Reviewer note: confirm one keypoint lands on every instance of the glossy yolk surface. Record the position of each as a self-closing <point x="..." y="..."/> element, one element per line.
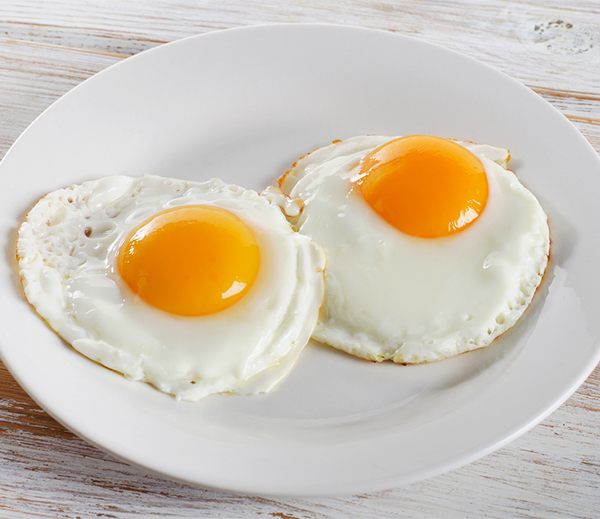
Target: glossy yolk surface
<point x="190" y="260"/>
<point x="424" y="186"/>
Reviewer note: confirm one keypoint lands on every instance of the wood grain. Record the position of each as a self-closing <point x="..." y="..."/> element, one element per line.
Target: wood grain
<point x="48" y="48"/>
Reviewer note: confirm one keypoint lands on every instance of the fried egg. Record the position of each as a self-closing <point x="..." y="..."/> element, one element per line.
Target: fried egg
<point x="433" y="247"/>
<point x="195" y="288"/>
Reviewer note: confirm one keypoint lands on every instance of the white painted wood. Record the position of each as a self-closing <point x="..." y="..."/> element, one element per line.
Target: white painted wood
<point x="46" y="49"/>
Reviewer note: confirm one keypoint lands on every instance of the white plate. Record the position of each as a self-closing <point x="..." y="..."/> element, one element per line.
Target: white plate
<point x="242" y="105"/>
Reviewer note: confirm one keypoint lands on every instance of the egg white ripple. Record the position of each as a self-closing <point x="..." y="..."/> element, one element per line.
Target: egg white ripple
<point x="389" y="295"/>
<point x="72" y="281"/>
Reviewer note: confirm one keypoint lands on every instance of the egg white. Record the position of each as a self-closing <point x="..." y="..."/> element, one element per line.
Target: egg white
<point x="389" y="295"/>
<point x="67" y="251"/>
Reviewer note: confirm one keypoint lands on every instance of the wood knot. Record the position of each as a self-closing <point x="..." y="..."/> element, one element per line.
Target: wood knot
<point x="559" y="36"/>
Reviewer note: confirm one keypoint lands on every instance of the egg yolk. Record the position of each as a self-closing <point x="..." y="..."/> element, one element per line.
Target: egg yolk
<point x="424" y="186"/>
<point x="190" y="260"/>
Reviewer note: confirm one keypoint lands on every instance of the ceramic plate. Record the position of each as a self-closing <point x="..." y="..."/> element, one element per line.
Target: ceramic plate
<point x="243" y="105"/>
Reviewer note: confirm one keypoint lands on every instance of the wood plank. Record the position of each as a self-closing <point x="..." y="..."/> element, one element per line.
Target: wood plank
<point x="526" y="43"/>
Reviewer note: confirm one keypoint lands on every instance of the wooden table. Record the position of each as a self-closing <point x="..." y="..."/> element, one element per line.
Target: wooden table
<point x="48" y="48"/>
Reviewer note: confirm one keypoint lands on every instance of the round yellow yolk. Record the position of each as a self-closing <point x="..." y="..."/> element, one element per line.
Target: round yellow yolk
<point x="424" y="186"/>
<point x="190" y="260"/>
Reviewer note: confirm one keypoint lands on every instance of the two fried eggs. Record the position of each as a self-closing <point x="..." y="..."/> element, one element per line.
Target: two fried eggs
<point x="433" y="248"/>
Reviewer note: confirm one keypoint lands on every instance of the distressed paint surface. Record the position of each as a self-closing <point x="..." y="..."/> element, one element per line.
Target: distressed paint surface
<point x="46" y="49"/>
